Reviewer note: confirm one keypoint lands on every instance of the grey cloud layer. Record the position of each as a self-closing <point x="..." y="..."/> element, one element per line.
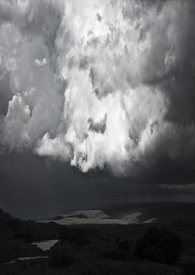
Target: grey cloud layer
<point x="99" y="83"/>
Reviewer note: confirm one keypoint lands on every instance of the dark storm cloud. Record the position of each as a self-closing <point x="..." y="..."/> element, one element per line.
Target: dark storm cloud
<point x="107" y="87"/>
<point x="36" y="188"/>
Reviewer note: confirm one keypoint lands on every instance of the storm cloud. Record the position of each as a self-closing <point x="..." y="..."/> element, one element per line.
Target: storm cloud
<point x="99" y="84"/>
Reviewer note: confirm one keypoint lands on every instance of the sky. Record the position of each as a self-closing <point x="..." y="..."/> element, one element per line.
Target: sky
<point x="96" y="103"/>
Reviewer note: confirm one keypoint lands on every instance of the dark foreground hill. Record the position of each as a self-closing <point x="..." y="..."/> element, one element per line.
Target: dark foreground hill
<point x="90" y="249"/>
<point x="17" y="235"/>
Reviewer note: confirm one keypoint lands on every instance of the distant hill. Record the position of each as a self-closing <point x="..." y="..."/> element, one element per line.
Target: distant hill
<point x="5" y="231"/>
<point x="158" y="212"/>
<point x="5" y="216"/>
<point x="131" y="213"/>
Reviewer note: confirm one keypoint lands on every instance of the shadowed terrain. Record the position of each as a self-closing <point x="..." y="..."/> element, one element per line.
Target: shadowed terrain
<point x="94" y="248"/>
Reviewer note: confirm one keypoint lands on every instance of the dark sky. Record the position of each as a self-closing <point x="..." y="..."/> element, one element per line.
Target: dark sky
<point x="97" y="104"/>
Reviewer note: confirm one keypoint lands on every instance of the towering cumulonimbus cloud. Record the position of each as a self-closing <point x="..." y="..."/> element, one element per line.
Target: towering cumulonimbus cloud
<point x="103" y="83"/>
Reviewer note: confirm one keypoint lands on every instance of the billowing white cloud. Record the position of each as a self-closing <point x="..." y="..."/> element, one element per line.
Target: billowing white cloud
<point x="86" y="80"/>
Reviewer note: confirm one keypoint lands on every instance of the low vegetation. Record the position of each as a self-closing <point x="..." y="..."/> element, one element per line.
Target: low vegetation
<point x="60" y="259"/>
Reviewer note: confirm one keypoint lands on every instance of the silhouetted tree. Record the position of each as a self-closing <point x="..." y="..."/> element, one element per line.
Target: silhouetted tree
<point x="159" y="245"/>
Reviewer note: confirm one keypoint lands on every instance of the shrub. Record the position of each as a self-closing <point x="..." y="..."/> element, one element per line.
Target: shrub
<point x="60" y="259"/>
<point x="76" y="236"/>
<point x="115" y="255"/>
<point x="123" y="245"/>
<point x="64" y="235"/>
<point x="188" y="268"/>
<point x="159" y="245"/>
<point x="82" y="242"/>
<point x="27" y="237"/>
